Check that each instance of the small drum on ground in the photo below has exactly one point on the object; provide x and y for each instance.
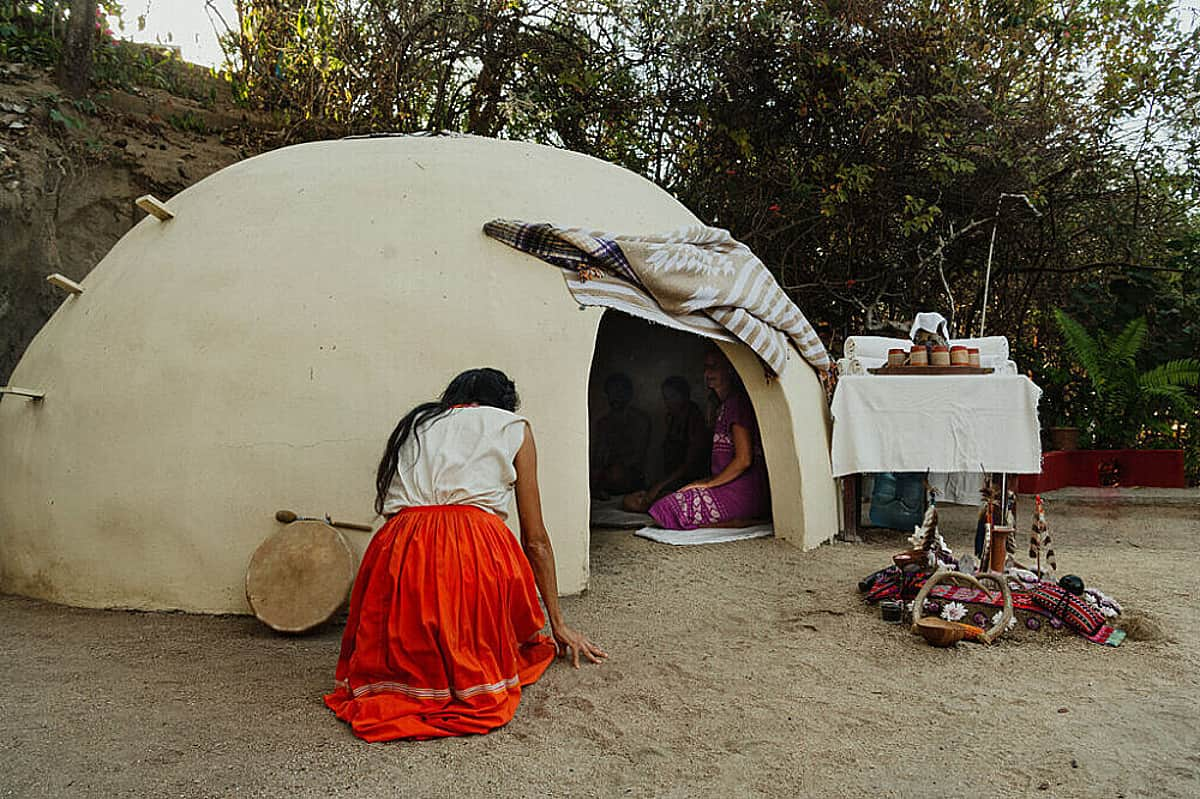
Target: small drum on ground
(299, 576)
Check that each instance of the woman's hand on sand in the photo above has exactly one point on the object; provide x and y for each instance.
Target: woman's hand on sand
(571, 643)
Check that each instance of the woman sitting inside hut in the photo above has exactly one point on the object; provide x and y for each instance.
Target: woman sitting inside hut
(737, 493)
(444, 627)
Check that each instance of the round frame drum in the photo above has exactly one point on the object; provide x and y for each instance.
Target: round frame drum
(299, 576)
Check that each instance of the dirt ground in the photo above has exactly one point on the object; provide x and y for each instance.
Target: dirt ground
(745, 669)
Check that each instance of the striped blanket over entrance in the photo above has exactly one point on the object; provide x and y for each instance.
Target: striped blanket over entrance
(697, 278)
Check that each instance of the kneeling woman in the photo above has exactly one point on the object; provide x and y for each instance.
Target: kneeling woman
(444, 627)
(737, 494)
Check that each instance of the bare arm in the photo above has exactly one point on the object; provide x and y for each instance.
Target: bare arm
(536, 543)
(743, 456)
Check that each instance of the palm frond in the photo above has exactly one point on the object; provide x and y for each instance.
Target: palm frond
(1128, 343)
(1087, 351)
(1175, 396)
(1172, 382)
(1123, 387)
(1184, 372)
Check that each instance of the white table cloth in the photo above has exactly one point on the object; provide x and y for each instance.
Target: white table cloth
(952, 423)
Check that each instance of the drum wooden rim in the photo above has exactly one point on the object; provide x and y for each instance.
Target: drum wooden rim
(299, 576)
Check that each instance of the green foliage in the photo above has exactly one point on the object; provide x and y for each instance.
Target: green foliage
(1169, 298)
(31, 32)
(66, 120)
(121, 65)
(1128, 404)
(188, 122)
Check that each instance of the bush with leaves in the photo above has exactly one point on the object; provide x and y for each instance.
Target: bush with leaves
(31, 32)
(1129, 403)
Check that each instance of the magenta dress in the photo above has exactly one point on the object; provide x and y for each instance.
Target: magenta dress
(747, 497)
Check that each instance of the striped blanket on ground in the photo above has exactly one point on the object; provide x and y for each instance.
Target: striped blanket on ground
(697, 278)
(890, 583)
(1097, 632)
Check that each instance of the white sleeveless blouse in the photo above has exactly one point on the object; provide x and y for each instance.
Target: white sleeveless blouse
(464, 458)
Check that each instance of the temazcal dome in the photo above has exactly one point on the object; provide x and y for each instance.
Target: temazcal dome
(252, 354)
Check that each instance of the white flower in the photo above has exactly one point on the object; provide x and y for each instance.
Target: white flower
(953, 611)
(1012, 622)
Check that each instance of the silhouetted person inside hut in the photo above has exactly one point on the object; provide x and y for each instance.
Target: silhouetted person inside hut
(620, 439)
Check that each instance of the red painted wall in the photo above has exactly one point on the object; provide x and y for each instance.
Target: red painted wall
(1152, 468)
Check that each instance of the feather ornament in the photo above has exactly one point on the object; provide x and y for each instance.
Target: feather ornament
(1035, 535)
(930, 525)
(1040, 543)
(928, 538)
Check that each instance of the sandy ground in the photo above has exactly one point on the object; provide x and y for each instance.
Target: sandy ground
(746, 669)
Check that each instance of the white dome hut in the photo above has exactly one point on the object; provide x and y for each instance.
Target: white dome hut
(253, 352)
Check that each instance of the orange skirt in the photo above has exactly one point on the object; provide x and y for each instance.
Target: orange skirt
(444, 628)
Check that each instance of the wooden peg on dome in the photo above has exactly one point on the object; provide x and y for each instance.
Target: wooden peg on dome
(65, 283)
(28, 393)
(154, 206)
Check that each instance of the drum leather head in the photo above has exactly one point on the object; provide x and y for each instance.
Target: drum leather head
(299, 576)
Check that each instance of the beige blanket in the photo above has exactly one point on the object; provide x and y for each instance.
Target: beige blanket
(696, 278)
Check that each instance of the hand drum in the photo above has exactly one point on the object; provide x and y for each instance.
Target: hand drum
(299, 576)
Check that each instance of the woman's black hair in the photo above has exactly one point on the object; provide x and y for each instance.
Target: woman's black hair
(489, 387)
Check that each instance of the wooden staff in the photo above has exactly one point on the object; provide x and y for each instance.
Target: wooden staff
(287, 517)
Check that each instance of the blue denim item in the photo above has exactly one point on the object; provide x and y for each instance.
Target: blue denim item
(898, 500)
